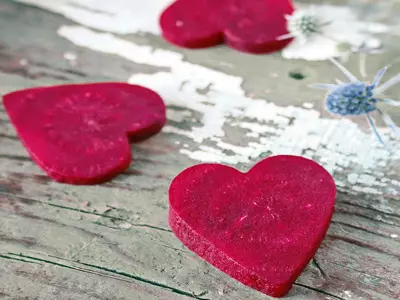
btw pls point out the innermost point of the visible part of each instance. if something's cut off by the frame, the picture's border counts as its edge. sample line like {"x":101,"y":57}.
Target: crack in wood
{"x":363,"y":229}
{"x":318,"y":290}
{"x":51,"y":221}
{"x":26,"y":74}
{"x":89,"y":212}
{"x":371,"y":208}
{"x":134,"y":225}
{"x":107,"y":216}
{"x":23,"y":241}
{"x":379,"y":220}
{"x":113,"y":271}
{"x":70,"y":71}
{"x":113,"y":246}
{"x":4,"y":294}
{"x":85,"y":270}
{"x":173,"y":248}
{"x":90,"y":9}
{"x":362,"y":244}
{"x":316,"y":264}
{"x":358,"y":271}
{"x":8,"y":136}
{"x":15,"y":157}
{"x":151,"y":226}
{"x":19,"y":259}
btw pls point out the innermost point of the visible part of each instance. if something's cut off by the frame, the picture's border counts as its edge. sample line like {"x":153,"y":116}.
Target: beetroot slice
{"x":80,"y":134}
{"x":246,"y":25}
{"x":260,"y":227}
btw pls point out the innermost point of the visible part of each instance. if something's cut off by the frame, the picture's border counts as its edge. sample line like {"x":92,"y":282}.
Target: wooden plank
{"x":112,"y":241}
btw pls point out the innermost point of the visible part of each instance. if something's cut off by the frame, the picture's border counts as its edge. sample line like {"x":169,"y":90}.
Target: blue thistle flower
{"x":360,"y":98}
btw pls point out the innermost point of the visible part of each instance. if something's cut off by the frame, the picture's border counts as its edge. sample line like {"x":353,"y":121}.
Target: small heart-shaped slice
{"x":261,"y":227}
{"x":247,"y":25}
{"x":80,"y":133}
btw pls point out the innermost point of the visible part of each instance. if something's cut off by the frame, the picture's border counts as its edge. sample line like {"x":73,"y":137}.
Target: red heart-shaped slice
{"x":247,"y":25}
{"x":260,"y":227}
{"x":80,"y":133}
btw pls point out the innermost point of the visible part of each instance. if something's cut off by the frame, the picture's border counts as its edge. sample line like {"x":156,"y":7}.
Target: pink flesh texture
{"x":261,"y":227}
{"x":80,"y":134}
{"x":247,"y":25}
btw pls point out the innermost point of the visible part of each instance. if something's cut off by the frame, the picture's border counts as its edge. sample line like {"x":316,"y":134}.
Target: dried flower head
{"x":323,"y":31}
{"x":360,"y":98}
{"x":303,"y":25}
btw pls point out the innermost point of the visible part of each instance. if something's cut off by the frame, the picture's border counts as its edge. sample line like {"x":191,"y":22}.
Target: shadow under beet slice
{"x":261,"y":227}
{"x":80,"y":133}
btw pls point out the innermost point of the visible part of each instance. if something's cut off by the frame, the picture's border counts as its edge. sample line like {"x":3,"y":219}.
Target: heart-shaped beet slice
{"x":80,"y":133}
{"x":261,"y":227}
{"x":247,"y":25}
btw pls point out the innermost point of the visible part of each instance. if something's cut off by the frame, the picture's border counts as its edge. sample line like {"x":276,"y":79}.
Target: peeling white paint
{"x":70,"y":56}
{"x":308,"y":105}
{"x":266,"y":127}
{"x":23,"y":62}
{"x":116,"y":16}
{"x":125,"y":225}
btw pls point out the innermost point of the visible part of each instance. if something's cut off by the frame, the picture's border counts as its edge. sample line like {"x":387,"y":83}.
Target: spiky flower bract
{"x":360,"y":98}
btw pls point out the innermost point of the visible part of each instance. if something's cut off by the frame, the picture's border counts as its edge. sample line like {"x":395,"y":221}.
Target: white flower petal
{"x":323,"y":86}
{"x":391,"y":102}
{"x":346,"y":72}
{"x":387,"y":85}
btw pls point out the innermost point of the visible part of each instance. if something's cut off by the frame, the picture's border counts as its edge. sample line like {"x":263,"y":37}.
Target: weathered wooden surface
{"x":112,"y":241}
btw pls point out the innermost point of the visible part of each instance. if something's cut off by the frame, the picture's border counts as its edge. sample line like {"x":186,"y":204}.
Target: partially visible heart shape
{"x":247,"y":25}
{"x":261,"y":227}
{"x":80,"y":133}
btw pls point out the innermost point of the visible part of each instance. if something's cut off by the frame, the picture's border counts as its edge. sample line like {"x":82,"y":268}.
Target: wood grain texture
{"x":112,"y":241}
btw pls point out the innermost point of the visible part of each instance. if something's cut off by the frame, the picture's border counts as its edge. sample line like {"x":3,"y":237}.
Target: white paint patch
{"x":308,"y":105}
{"x":344,"y":33}
{"x":260,"y":127}
{"x":23,"y":62}
{"x":70,"y":56}
{"x":117,"y":16}
{"x":125,"y":226}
